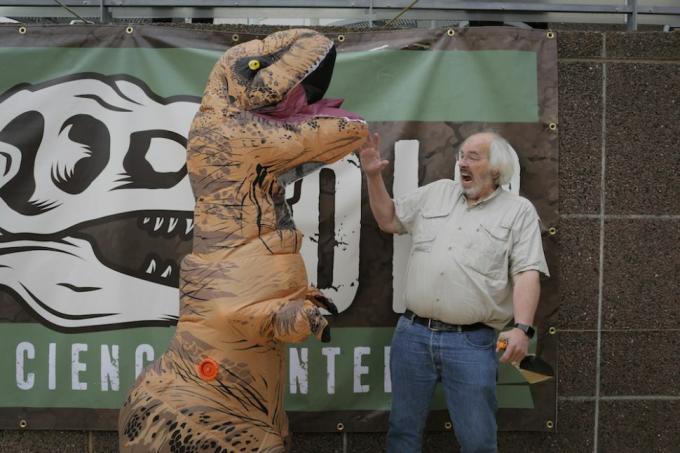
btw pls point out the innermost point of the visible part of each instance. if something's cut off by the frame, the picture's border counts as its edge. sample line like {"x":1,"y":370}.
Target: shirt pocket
{"x":422,"y":242}
{"x":429,"y":225}
{"x":489,"y":254}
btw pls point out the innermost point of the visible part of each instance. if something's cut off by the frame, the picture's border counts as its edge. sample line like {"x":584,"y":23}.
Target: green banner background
{"x":499,"y":77}
{"x":316,"y":397}
{"x":402,"y":86}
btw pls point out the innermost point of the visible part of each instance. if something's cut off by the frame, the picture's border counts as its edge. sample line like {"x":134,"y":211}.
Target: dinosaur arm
{"x":288,"y":320}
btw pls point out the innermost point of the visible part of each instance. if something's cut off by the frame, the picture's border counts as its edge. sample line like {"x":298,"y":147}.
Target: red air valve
{"x":207,"y":369}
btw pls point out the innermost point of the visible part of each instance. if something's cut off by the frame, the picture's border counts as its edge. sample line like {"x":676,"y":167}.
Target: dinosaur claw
{"x":330,"y":306}
{"x":322,"y":301}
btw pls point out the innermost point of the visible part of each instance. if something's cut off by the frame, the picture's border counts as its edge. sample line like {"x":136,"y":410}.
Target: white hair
{"x":501,"y":156}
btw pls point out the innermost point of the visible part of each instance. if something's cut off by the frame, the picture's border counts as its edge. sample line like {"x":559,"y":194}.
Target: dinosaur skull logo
{"x":94,"y":194}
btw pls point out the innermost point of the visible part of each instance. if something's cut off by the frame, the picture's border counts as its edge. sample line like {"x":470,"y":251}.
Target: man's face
{"x":477,"y":178}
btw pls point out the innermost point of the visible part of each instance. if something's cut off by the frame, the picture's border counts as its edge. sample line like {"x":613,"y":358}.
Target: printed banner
{"x":96,"y":210}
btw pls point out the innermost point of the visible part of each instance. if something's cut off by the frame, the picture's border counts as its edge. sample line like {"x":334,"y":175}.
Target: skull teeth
{"x":167,"y":226}
{"x":172,"y":224}
{"x":151,"y":267}
{"x":167,"y":272}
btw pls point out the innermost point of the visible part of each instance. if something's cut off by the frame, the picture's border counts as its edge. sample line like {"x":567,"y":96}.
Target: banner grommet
{"x":448,"y":426}
{"x":549,"y":424}
{"x":552,"y":126}
{"x":550,"y":35}
{"x":129,"y":29}
{"x":552,"y":330}
{"x":340,"y":426}
{"x":22,"y":30}
{"x":451,"y":32}
{"x":235,"y":37}
{"x":23,"y":424}
{"x":341,"y":38}
{"x":552,"y":231}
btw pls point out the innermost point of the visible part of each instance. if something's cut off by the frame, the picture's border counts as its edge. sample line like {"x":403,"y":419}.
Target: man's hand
{"x":369,"y":154}
{"x":517,"y":345}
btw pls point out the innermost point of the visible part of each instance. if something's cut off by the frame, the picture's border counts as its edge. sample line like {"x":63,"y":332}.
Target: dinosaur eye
{"x":254,"y":65}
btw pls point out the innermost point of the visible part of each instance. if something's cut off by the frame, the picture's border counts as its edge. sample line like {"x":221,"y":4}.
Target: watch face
{"x":528,"y":330}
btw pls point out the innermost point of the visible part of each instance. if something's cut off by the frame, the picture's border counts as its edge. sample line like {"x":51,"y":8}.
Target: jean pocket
{"x":483,"y":338}
{"x":401,"y":324}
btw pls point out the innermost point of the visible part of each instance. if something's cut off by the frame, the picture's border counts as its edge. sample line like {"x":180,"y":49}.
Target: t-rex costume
{"x":244,"y":290}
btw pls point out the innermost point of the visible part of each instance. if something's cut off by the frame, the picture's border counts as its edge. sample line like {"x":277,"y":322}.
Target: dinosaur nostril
{"x":23,"y":134}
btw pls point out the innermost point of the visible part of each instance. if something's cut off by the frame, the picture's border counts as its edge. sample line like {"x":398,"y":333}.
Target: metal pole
{"x":104,"y":14}
{"x":631,"y":18}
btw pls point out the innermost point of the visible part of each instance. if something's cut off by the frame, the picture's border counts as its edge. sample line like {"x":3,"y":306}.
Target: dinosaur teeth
{"x":159,"y":223}
{"x":151,"y":268}
{"x":166,"y":226}
{"x":166,"y":273}
{"x":172,"y":223}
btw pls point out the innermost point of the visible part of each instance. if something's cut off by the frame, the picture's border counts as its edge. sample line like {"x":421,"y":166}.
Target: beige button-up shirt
{"x":463,"y":258}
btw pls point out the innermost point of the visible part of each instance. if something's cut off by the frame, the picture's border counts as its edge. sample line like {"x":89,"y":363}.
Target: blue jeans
{"x":465,"y":363}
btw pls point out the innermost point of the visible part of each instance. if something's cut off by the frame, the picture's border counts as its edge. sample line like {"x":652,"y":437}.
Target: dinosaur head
{"x":95,"y":204}
{"x":265,"y":100}
{"x":261,"y":73}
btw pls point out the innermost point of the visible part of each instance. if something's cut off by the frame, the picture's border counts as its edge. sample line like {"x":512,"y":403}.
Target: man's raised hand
{"x":369,"y":154}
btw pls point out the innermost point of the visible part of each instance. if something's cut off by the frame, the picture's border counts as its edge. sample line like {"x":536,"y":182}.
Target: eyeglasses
{"x":472,"y":156}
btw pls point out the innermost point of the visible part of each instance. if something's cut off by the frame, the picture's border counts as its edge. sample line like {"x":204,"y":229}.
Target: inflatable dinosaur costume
{"x":244,"y":291}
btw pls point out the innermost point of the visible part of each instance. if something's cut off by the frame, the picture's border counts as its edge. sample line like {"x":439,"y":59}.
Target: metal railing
{"x":630,"y":12}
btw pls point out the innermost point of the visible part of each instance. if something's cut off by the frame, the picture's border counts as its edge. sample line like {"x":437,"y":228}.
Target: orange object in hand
{"x":502,"y":344}
{"x":207,"y":369}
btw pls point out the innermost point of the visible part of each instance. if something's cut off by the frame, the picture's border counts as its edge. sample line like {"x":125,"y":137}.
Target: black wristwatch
{"x":527,"y":329}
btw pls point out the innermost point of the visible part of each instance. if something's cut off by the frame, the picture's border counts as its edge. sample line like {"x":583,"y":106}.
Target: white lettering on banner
{"x":110,"y":374}
{"x":299,"y":370}
{"x":405,"y":181}
{"x":360,"y":370}
{"x":115,"y":362}
{"x":347,"y":228}
{"x":25,"y":350}
{"x":388,"y":375}
{"x":52,"y":366}
{"x":144,"y":352}
{"x":330,"y":354}
{"x":77,"y":366}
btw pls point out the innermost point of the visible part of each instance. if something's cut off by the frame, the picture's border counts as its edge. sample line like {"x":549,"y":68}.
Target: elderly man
{"x":474,"y":265}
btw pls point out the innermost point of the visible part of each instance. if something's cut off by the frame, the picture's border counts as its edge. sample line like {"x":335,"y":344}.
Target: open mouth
{"x":306,"y":100}
{"x":466,"y":178}
{"x":148,"y":245}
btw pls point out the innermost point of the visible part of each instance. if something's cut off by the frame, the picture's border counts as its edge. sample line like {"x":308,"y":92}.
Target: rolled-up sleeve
{"x":527,"y":247}
{"x":406,"y":209}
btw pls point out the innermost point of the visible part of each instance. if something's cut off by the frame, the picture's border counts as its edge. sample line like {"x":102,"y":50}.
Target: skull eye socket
{"x":92,"y":158}
{"x":166,"y":155}
{"x":156,"y":159}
